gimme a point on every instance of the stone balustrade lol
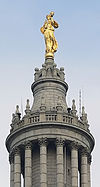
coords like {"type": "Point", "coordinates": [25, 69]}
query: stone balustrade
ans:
{"type": "Point", "coordinates": [34, 119]}
{"type": "Point", "coordinates": [68, 119]}
{"type": "Point", "coordinates": [49, 118]}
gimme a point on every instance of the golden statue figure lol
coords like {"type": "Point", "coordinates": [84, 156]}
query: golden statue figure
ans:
{"type": "Point", "coordinates": [48, 31]}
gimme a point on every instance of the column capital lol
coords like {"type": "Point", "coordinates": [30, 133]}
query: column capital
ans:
{"type": "Point", "coordinates": [16, 151]}
{"type": "Point", "coordinates": [60, 141]}
{"type": "Point", "coordinates": [42, 141]}
{"type": "Point", "coordinates": [11, 158]}
{"type": "Point", "coordinates": [89, 158]}
{"type": "Point", "coordinates": [74, 145]}
{"type": "Point", "coordinates": [28, 145]}
{"type": "Point", "coordinates": [84, 151]}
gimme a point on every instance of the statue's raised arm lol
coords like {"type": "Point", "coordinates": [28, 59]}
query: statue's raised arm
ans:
{"type": "Point", "coordinates": [48, 30]}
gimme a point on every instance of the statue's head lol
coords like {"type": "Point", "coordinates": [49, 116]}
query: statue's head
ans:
{"type": "Point", "coordinates": [52, 14]}
{"type": "Point", "coordinates": [48, 17]}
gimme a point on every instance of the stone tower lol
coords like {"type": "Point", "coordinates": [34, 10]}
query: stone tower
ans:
{"type": "Point", "coordinates": [50, 146]}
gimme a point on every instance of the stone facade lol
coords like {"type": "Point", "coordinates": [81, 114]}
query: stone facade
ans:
{"type": "Point", "coordinates": [50, 146]}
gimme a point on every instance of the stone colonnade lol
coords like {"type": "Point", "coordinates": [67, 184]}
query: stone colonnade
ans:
{"type": "Point", "coordinates": [85, 161]}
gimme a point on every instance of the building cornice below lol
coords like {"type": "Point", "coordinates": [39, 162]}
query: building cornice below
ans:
{"type": "Point", "coordinates": [44, 125]}
{"type": "Point", "coordinates": [55, 80]}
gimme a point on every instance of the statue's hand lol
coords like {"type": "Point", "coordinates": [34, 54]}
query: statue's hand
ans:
{"type": "Point", "coordinates": [42, 30]}
{"type": "Point", "coordinates": [56, 24]}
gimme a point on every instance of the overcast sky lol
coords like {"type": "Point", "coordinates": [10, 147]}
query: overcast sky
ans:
{"type": "Point", "coordinates": [22, 49]}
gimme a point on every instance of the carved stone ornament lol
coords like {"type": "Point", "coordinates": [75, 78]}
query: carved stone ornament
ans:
{"type": "Point", "coordinates": [28, 145]}
{"type": "Point", "coordinates": [89, 158]}
{"type": "Point", "coordinates": [84, 151]}
{"type": "Point", "coordinates": [74, 145]}
{"type": "Point", "coordinates": [11, 158]}
{"type": "Point", "coordinates": [16, 151]}
{"type": "Point", "coordinates": [60, 141]}
{"type": "Point", "coordinates": [42, 141]}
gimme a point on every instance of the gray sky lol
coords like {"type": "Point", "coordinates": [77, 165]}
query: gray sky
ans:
{"type": "Point", "coordinates": [22, 49]}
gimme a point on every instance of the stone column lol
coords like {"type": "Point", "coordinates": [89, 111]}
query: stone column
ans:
{"type": "Point", "coordinates": [28, 165]}
{"type": "Point", "coordinates": [11, 160]}
{"type": "Point", "coordinates": [74, 164]}
{"type": "Point", "coordinates": [60, 174]}
{"type": "Point", "coordinates": [17, 168]}
{"type": "Point", "coordinates": [43, 162]}
{"type": "Point", "coordinates": [84, 173]}
{"type": "Point", "coordinates": [65, 159]}
{"type": "Point", "coordinates": [88, 170]}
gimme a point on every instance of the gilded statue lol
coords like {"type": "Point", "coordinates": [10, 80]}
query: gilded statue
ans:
{"type": "Point", "coordinates": [48, 30]}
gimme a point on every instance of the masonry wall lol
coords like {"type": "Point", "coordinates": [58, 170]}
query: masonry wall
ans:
{"type": "Point", "coordinates": [49, 94]}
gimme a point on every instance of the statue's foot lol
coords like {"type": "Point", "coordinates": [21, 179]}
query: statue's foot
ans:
{"type": "Point", "coordinates": [49, 55]}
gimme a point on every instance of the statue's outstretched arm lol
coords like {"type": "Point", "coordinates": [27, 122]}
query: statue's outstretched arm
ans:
{"type": "Point", "coordinates": [56, 24]}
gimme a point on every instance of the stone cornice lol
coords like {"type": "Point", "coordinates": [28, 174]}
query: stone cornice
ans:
{"type": "Point", "coordinates": [50, 125]}
{"type": "Point", "coordinates": [41, 81]}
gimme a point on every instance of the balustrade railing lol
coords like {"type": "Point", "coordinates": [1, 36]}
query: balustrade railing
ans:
{"type": "Point", "coordinates": [51, 117]}
{"type": "Point", "coordinates": [34, 119]}
{"type": "Point", "coordinates": [67, 119]}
